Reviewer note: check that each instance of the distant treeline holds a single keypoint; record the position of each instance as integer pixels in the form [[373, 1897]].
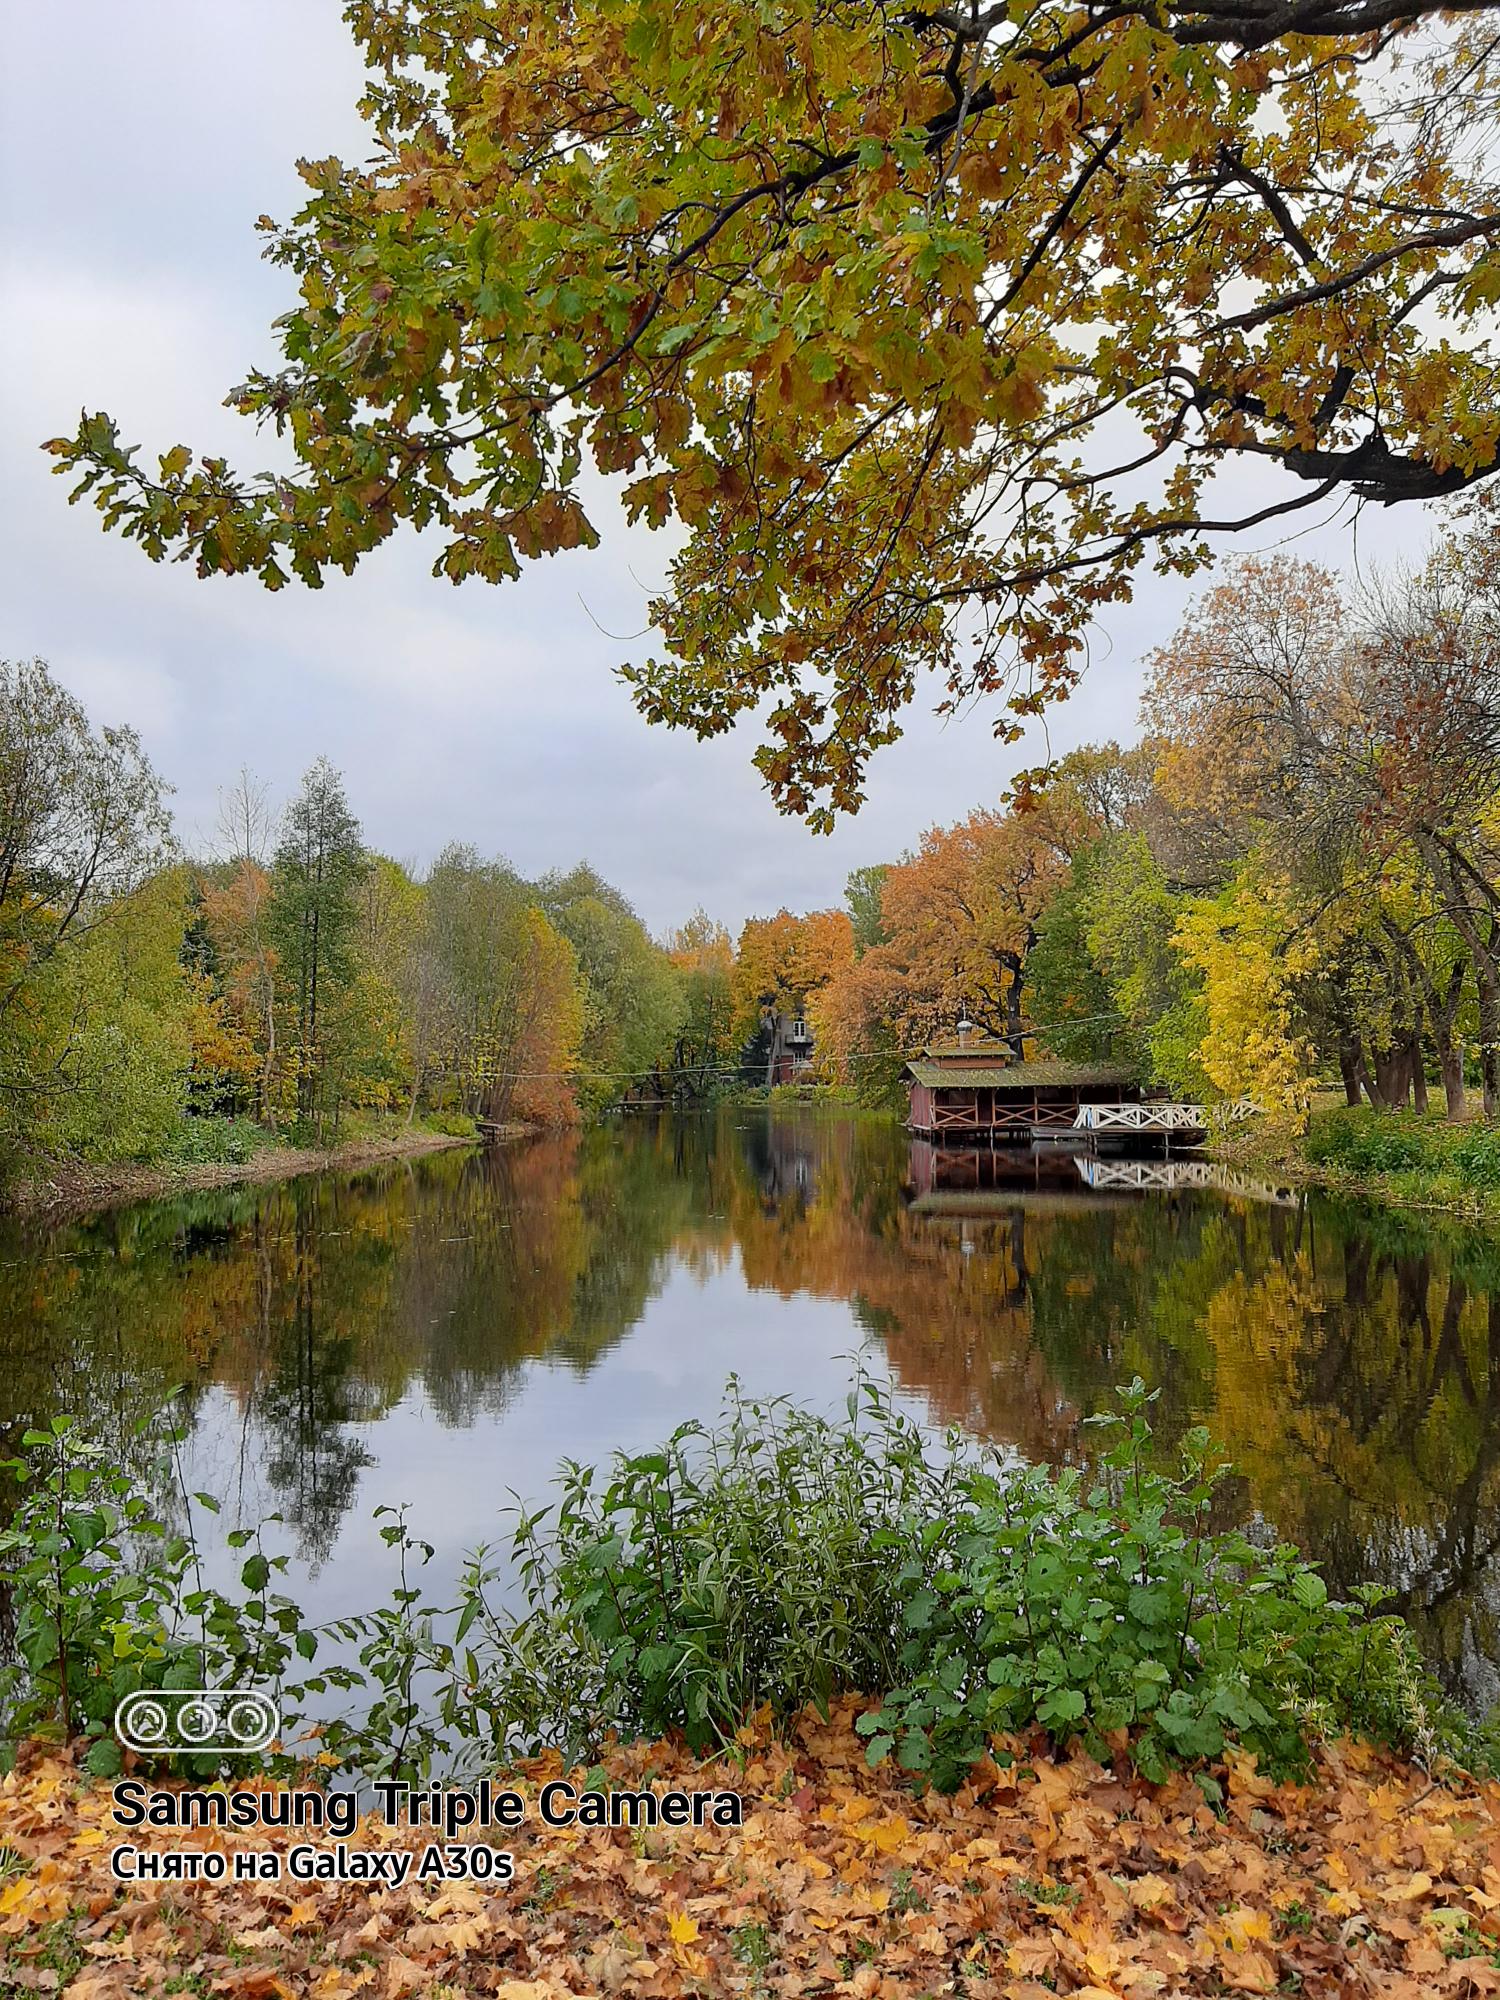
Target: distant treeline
[[148, 999], [1294, 875]]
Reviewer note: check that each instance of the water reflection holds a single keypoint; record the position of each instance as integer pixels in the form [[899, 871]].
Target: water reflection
[[441, 1331]]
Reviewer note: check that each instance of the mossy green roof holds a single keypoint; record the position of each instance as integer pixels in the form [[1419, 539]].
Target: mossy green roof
[[1020, 1075]]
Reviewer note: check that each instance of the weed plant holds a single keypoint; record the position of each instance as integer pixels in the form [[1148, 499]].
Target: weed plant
[[774, 1558]]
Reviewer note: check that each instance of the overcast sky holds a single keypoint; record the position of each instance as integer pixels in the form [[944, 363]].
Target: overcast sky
[[138, 144]]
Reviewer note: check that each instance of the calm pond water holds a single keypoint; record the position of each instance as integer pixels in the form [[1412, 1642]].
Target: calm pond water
[[441, 1332]]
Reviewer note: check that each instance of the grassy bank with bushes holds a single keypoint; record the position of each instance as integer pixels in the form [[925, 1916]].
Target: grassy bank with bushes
[[222, 1152], [1405, 1158]]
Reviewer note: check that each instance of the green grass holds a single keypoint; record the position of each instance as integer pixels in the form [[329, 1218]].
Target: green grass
[[1403, 1157]]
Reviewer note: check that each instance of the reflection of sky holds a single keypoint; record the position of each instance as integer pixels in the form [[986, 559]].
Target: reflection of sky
[[672, 1366]]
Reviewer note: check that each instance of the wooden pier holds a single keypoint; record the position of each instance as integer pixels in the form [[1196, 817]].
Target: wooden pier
[[1129, 1124]]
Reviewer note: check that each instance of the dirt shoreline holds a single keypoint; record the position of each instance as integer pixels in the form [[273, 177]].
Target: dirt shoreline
[[66, 1190]]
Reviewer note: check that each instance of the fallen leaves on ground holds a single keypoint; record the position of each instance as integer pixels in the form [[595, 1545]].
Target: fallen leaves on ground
[[1052, 1876]]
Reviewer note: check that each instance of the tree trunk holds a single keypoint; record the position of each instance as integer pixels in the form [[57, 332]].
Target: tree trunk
[[1349, 1071], [1014, 1034], [1489, 1043], [1390, 1080], [1418, 1076], [268, 1067], [1451, 1064], [1449, 871], [1442, 1005], [1364, 1081]]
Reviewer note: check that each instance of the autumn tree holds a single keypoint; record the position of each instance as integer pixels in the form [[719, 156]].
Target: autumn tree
[[375, 1018], [513, 1001], [927, 326], [1073, 999], [863, 892], [702, 952], [84, 836], [236, 902], [1430, 683], [781, 962], [1359, 745], [632, 998], [538, 1047], [318, 866]]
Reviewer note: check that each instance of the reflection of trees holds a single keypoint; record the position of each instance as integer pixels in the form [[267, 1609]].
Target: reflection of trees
[[1358, 1383], [1349, 1366], [308, 1393], [318, 1305]]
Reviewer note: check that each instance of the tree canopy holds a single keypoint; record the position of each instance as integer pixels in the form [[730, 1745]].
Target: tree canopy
[[926, 325]]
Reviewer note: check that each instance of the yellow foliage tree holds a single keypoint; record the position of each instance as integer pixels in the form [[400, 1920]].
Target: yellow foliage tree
[[1247, 946]]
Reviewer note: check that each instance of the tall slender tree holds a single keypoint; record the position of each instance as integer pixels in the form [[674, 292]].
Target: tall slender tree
[[319, 864]]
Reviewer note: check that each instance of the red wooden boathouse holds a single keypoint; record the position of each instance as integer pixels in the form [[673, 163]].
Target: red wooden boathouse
[[966, 1091]]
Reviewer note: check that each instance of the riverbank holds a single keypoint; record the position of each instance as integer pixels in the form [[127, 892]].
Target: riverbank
[[1398, 1158], [62, 1190], [1051, 1876]]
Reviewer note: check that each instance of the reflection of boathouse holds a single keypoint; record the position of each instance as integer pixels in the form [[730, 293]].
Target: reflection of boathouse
[[969, 1091]]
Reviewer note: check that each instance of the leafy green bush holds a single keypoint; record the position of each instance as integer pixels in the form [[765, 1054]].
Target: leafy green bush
[[738, 1565], [1103, 1606], [1367, 1141], [780, 1558], [452, 1124], [1419, 1155], [1476, 1156], [209, 1141], [775, 1558], [107, 1599]]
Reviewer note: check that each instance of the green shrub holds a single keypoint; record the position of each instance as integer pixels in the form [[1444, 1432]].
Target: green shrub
[[210, 1141], [1475, 1154], [775, 1558], [739, 1565], [452, 1124], [1433, 1156], [107, 1599], [1103, 1606], [1367, 1141], [780, 1558]]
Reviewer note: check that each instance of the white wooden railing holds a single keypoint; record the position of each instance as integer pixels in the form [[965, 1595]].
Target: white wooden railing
[[1141, 1118]]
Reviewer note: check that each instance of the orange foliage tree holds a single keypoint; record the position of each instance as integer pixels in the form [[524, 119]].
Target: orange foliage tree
[[235, 916], [782, 961], [959, 918]]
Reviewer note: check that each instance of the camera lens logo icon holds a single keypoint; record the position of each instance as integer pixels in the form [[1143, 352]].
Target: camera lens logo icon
[[184, 1721]]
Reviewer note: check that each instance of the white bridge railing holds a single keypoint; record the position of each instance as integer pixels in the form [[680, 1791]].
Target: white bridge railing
[[1141, 1118]]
